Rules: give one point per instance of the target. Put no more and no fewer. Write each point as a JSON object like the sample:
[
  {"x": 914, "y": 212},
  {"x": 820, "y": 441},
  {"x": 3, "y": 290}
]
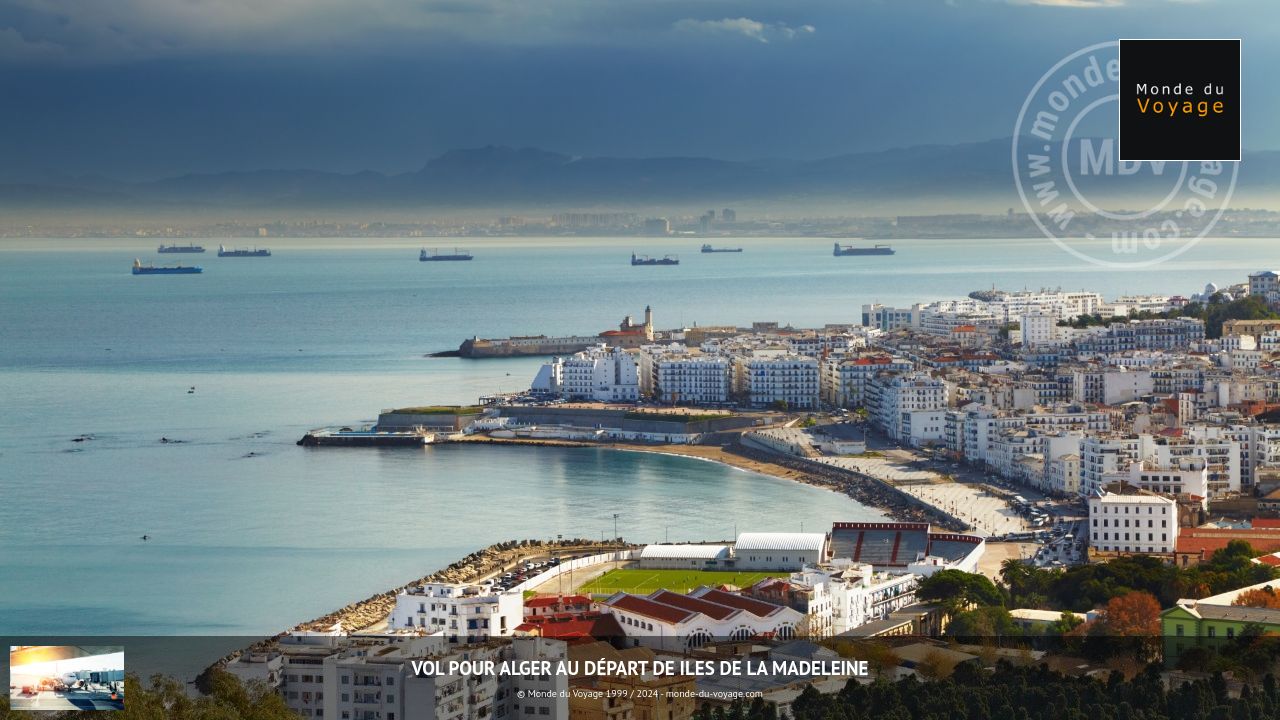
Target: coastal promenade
[{"x": 986, "y": 512}]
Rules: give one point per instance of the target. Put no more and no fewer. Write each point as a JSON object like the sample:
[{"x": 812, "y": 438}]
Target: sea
[{"x": 189, "y": 392}]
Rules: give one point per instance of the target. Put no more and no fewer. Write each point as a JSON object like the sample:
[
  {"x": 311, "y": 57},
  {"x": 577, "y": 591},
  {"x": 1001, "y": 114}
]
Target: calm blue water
[{"x": 329, "y": 332}]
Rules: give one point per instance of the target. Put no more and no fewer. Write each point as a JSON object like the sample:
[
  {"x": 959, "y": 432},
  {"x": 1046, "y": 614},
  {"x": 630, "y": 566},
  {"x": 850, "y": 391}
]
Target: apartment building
[
  {"x": 461, "y": 613},
  {"x": 778, "y": 380},
  {"x": 1133, "y": 523}
]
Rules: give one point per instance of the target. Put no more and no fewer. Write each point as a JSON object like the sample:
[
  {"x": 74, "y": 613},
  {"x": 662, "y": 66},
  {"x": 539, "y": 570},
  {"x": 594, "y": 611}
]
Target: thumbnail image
[{"x": 66, "y": 677}]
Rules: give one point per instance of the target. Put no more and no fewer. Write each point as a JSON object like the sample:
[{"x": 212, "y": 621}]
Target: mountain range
[{"x": 495, "y": 176}]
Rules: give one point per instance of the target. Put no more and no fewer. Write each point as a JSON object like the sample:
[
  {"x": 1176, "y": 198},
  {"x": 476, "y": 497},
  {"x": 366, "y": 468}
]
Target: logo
[{"x": 1082, "y": 196}]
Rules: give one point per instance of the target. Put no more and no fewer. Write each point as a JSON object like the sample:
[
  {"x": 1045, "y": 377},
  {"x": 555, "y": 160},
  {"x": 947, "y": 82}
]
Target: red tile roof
[
  {"x": 649, "y": 608},
  {"x": 712, "y": 610},
  {"x": 1210, "y": 540},
  {"x": 599, "y": 626},
  {"x": 553, "y": 600},
  {"x": 759, "y": 608}
]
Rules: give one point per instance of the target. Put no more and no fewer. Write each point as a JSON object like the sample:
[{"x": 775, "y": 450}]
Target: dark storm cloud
[{"x": 141, "y": 88}]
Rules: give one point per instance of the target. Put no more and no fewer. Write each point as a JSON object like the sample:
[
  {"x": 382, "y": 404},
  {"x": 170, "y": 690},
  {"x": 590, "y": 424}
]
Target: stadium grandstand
[{"x": 904, "y": 546}]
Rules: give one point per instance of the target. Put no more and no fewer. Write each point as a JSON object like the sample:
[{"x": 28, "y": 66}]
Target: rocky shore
[
  {"x": 477, "y": 566},
  {"x": 863, "y": 488}
]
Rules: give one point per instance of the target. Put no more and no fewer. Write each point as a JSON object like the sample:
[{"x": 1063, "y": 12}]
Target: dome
[{"x": 1210, "y": 289}]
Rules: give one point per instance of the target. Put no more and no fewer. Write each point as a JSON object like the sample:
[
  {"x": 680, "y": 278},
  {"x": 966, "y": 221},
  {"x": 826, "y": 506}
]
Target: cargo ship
[
  {"x": 842, "y": 250},
  {"x": 708, "y": 249},
  {"x": 149, "y": 269},
  {"x": 436, "y": 256},
  {"x": 646, "y": 260},
  {"x": 180, "y": 249},
  {"x": 256, "y": 252}
]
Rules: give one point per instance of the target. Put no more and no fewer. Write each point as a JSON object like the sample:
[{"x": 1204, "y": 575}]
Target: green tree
[{"x": 957, "y": 590}]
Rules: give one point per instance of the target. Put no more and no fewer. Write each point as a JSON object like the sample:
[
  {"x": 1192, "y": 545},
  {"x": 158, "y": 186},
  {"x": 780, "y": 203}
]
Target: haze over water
[{"x": 328, "y": 333}]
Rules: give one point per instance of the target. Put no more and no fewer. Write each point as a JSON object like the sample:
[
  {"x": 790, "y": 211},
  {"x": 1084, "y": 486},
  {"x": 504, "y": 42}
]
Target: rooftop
[
  {"x": 780, "y": 541},
  {"x": 668, "y": 552}
]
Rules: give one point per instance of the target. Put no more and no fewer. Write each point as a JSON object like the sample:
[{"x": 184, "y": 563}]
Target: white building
[
  {"x": 844, "y": 379},
  {"x": 887, "y": 318},
  {"x": 1265, "y": 284},
  {"x": 682, "y": 557},
  {"x": 462, "y": 613},
  {"x": 774, "y": 380},
  {"x": 1141, "y": 523},
  {"x": 892, "y": 400},
  {"x": 1221, "y": 457},
  {"x": 779, "y": 551},
  {"x": 669, "y": 621},
  {"x": 1188, "y": 476},
  {"x": 1110, "y": 385},
  {"x": 1038, "y": 329},
  {"x": 1104, "y": 455},
  {"x": 1159, "y": 334},
  {"x": 1062, "y": 474},
  {"x": 372, "y": 677},
  {"x": 599, "y": 373},
  {"x": 679, "y": 376}
]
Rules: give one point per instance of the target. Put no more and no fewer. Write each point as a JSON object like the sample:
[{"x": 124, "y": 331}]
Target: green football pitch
[{"x": 643, "y": 582}]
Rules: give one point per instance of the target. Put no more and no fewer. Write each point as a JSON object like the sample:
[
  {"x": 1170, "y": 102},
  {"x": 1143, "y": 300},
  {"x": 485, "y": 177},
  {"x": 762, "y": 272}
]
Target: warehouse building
[
  {"x": 779, "y": 551},
  {"x": 684, "y": 557}
]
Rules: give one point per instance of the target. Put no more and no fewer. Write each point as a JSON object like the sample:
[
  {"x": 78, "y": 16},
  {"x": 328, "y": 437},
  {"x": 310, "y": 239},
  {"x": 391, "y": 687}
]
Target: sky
[{"x": 143, "y": 89}]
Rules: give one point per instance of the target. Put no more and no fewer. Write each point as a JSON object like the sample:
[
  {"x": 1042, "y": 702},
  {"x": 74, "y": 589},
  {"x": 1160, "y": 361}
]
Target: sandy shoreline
[
  {"x": 369, "y": 613},
  {"x": 894, "y": 503},
  {"x": 712, "y": 453}
]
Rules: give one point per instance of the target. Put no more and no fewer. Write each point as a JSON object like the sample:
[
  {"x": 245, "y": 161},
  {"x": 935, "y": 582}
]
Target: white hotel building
[
  {"x": 1133, "y": 523},
  {"x": 675, "y": 375},
  {"x": 776, "y": 379},
  {"x": 461, "y": 613},
  {"x": 910, "y": 407},
  {"x": 844, "y": 379},
  {"x": 598, "y": 373}
]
